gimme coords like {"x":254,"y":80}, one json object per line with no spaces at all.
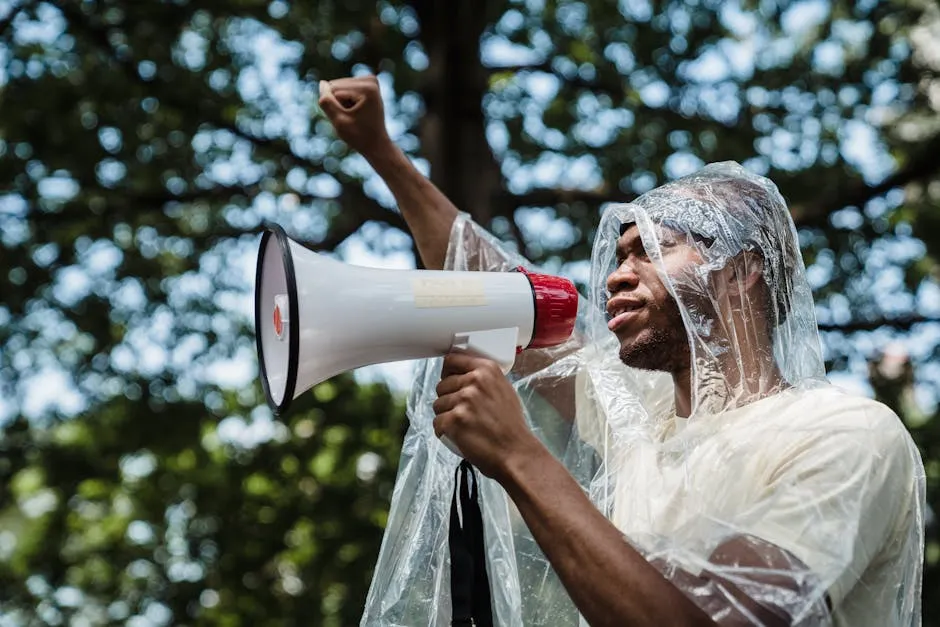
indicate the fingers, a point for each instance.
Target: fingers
{"x":339,"y":97}
{"x":456,"y":390}
{"x":464,"y":380}
{"x":441,"y":423}
{"x":347,"y":94}
{"x":354,"y":93}
{"x":458,"y":362}
{"x":453,"y":383}
{"x":450,"y":421}
{"x":463,"y":377}
{"x":362,"y":84}
{"x":328,"y":101}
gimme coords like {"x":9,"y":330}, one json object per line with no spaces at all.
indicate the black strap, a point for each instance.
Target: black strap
{"x":469,"y":583}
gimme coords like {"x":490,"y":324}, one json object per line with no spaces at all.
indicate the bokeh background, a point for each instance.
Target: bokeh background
{"x":142,"y":144}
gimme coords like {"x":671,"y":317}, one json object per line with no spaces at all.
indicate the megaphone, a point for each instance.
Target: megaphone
{"x":316,"y":317}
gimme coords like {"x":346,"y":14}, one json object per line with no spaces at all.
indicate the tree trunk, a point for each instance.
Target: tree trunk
{"x":453,"y":132}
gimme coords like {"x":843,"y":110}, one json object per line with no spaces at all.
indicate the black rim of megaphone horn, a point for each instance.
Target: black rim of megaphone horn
{"x":293,"y":337}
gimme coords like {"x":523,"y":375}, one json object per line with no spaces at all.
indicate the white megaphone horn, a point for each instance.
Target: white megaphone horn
{"x":316,"y":317}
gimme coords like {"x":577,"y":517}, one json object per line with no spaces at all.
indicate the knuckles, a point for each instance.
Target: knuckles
{"x":461,"y":416}
{"x":463,"y":392}
{"x":370,"y":83}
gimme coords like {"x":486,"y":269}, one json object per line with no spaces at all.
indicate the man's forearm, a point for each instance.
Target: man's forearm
{"x":609,"y":581}
{"x":428,"y":212}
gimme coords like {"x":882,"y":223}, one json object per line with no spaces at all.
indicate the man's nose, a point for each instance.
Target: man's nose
{"x":623,"y":277}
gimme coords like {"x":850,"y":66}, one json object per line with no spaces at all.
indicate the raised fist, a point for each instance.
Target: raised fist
{"x":354,"y":107}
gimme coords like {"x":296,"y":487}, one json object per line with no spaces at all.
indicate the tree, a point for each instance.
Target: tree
{"x":142,"y":145}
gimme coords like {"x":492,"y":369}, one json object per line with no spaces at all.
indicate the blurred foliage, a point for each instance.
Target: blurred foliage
{"x":142,"y":144}
{"x":127,"y":511}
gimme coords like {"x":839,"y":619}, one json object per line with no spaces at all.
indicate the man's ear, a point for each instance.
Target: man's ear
{"x":747,"y":270}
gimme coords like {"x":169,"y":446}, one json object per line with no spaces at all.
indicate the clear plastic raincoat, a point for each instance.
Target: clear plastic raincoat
{"x":823,"y":488}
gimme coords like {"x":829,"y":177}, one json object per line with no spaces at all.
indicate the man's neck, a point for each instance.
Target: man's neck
{"x":746,"y":380}
{"x":682,"y":382}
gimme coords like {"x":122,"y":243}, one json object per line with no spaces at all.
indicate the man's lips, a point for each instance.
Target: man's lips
{"x":620,"y":311}
{"x":622,"y":319}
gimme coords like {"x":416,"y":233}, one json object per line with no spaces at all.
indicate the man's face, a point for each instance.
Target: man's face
{"x":641,"y":312}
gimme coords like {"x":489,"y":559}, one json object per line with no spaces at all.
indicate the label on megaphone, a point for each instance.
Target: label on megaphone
{"x":442,"y":292}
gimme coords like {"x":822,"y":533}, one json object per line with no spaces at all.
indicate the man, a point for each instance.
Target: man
{"x":730,"y":484}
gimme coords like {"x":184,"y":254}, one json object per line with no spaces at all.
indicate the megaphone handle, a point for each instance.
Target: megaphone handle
{"x":496,"y":344}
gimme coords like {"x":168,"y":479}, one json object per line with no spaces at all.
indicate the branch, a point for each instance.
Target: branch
{"x":923,"y":163}
{"x":902,"y":323}
{"x":358,"y":209}
{"x":547,"y":197}
{"x":545,"y":66}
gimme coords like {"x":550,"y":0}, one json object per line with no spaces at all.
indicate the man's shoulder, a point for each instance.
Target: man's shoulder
{"x":816,"y":418}
{"x":829,"y":406}
{"x":842,"y":423}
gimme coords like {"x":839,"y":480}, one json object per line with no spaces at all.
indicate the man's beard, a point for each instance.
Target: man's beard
{"x":661,"y":346}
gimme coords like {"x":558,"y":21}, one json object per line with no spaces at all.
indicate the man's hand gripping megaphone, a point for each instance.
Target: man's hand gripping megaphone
{"x":478,"y":410}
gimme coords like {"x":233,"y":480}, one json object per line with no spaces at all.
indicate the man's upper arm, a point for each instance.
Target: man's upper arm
{"x":768,"y":582}
{"x":752,"y":582}
{"x":471,"y":247}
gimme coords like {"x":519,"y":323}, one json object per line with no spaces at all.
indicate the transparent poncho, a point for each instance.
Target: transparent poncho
{"x":825,"y":489}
